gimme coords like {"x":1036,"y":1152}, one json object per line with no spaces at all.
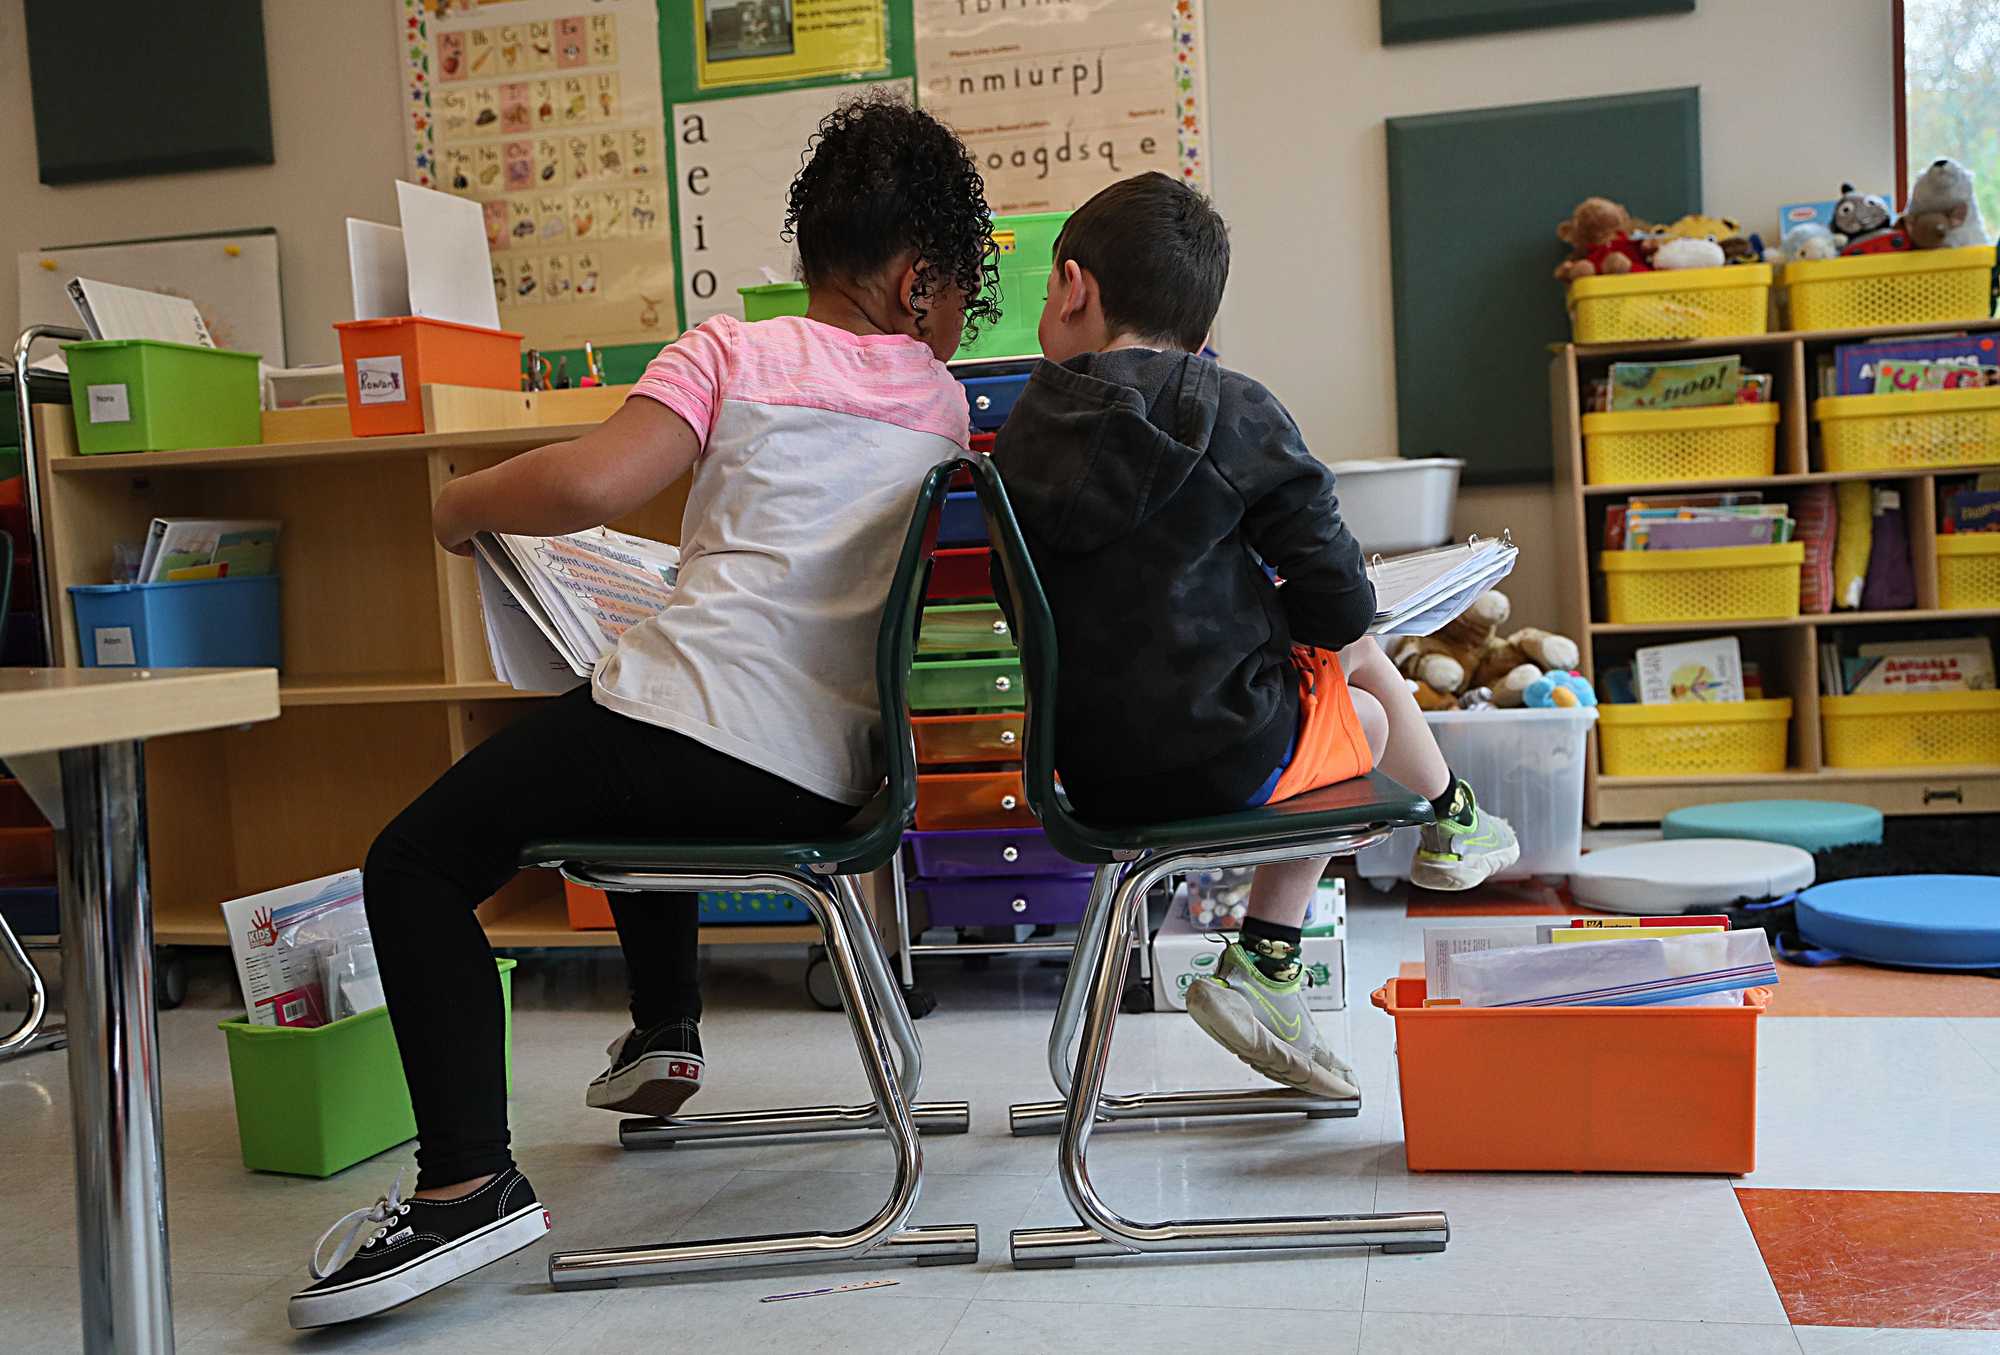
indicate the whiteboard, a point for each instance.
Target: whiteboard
{"x":231,"y":278}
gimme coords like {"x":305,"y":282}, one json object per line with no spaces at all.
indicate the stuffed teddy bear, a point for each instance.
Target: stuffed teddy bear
{"x":1942,"y":212}
{"x":1441,"y":663}
{"x":1602,"y":239}
{"x":1512,"y":665}
{"x":1809,"y":240}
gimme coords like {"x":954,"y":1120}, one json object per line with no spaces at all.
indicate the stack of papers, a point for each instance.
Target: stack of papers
{"x":109,"y":311}
{"x":1416,"y":594}
{"x":555,"y":605}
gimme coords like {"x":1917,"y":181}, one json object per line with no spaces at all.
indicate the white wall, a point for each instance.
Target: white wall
{"x":1796,"y":96}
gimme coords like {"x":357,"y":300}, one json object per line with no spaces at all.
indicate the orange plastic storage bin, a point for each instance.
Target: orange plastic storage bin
{"x":968,"y":738}
{"x":1583,"y":1089}
{"x":398,"y":356}
{"x":972,"y":800}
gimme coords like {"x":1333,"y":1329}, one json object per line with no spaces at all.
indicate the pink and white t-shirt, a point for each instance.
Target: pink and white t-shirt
{"x":814,"y":443}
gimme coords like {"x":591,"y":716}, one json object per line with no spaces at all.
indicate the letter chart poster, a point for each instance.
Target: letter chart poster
{"x":549,"y":114}
{"x":1058,"y":98}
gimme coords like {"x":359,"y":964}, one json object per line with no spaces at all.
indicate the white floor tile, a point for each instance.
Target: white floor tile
{"x":1469,"y":1334}
{"x":1874,"y":1103}
{"x":1983,"y":1033}
{"x":1042,"y":1328}
{"x":1659,"y":1248}
{"x":1887,"y":1341}
{"x":648,"y":1321}
{"x":466,"y":1318}
{"x":41,"y":1306}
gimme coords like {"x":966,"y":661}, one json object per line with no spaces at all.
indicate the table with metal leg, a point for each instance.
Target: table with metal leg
{"x":96,"y":720}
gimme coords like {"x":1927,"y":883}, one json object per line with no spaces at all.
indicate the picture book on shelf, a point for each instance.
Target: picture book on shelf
{"x":208,"y":548}
{"x":1687,"y":384}
{"x":1852,"y":368}
{"x":1949,"y":665}
{"x":1905,"y":376}
{"x":1694,"y":670}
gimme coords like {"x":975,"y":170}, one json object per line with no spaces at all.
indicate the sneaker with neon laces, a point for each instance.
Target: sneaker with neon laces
{"x":1465,"y":847}
{"x":1264,"y":1021}
{"x":652,"y":1071}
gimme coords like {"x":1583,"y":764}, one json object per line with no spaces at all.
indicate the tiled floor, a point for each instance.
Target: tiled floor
{"x":1872,"y":1222}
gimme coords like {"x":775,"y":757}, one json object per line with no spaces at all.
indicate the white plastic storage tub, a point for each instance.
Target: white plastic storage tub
{"x":1395,"y":505}
{"x":1527,"y":767}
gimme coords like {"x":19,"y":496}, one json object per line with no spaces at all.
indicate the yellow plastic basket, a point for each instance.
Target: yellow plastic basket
{"x":1729,"y":583}
{"x":1897,"y":432}
{"x":1643,"y":445}
{"x":1911,"y":729}
{"x":1689,"y":303}
{"x":1969,"y":571}
{"x":1694,"y":738}
{"x":1866,"y":290}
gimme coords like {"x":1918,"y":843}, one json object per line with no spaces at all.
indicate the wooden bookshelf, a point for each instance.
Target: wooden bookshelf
{"x":1785,"y":648}
{"x":386,"y":679}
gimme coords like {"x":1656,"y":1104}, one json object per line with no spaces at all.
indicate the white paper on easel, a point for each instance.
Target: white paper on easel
{"x":445,"y":256}
{"x":377,"y":269}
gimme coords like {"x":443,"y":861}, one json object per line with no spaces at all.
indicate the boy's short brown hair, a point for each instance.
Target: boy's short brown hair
{"x":1160,"y":253}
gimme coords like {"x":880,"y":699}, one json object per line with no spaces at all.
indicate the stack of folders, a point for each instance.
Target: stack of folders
{"x":1697,"y":522}
{"x":1693,"y":960}
{"x":1418,"y":593}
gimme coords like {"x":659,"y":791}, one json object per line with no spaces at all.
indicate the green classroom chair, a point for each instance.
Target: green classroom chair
{"x":823,"y":875}
{"x":1338,"y":820}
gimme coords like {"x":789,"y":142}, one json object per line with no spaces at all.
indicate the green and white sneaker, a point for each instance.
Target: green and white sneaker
{"x":1264,"y":1022}
{"x":1464,"y":848}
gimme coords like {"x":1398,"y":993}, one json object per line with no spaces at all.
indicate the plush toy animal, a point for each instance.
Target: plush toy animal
{"x":1861,"y":217}
{"x":1511,"y":665}
{"x":1559,"y":690}
{"x":1685,"y":252}
{"x":1942,"y":212}
{"x":1440,"y":664}
{"x":1602,"y":239}
{"x":1809,"y":240}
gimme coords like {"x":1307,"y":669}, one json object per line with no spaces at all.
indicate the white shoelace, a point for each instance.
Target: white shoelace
{"x":383,"y":1212}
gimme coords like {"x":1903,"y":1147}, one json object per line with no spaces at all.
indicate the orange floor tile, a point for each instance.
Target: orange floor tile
{"x":1855,"y":989}
{"x":1880,"y":1258}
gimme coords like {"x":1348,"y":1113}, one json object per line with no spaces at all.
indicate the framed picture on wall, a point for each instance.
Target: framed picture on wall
{"x":1422,"y":20}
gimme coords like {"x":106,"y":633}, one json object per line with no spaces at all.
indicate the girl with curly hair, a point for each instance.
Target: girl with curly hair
{"x":750,"y":699}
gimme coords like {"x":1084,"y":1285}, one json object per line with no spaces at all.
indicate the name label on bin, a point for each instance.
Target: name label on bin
{"x":110,"y":404}
{"x":114,"y":646}
{"x":379,"y":381}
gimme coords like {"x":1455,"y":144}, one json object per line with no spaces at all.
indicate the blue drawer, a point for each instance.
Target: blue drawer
{"x":960,"y":523}
{"x":1003,"y":851}
{"x":1030,"y":901}
{"x":991,"y":398}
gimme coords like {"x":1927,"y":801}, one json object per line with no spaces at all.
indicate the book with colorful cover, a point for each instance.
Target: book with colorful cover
{"x":1854,"y":364}
{"x":1694,"y":670}
{"x":1905,"y":376}
{"x":1960,"y":664}
{"x":1971,"y":510}
{"x":1690,"y":383}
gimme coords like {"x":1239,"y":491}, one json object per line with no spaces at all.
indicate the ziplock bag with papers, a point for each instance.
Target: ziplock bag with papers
{"x":1680,"y":970}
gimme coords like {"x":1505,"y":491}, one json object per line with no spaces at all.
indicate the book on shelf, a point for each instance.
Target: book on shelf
{"x":1690,"y":383}
{"x":1963,"y":663}
{"x":1852,"y":367}
{"x":1617,"y":515}
{"x":1698,"y":527}
{"x":1905,"y":376}
{"x":1973,"y":507}
{"x":1693,"y":670}
{"x":555,"y":605}
{"x":191,"y":548}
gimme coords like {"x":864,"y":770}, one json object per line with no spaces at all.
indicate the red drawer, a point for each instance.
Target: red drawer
{"x":961,"y":573}
{"x":968,"y":738}
{"x":1006,"y":902}
{"x":988,"y":851}
{"x":972,"y":800}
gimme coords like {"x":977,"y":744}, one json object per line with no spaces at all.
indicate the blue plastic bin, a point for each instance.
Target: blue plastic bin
{"x":960,"y":523}
{"x":193,"y":623}
{"x":990,"y":399}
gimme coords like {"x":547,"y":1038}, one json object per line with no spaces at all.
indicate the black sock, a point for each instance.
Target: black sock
{"x":1456,"y":802}
{"x":1275,"y":948}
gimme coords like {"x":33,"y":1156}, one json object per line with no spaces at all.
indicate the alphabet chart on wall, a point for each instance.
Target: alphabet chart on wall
{"x":548,"y":113}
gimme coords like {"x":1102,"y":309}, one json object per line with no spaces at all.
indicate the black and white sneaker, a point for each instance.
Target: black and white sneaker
{"x":413,"y":1246}
{"x":652,"y":1072}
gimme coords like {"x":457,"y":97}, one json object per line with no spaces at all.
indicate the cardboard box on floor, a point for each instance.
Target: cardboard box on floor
{"x":1181,"y":953}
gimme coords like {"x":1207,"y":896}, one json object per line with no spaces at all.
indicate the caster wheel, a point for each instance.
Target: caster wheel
{"x":170,"y":979}
{"x":920,"y":1001}
{"x":1138,"y":998}
{"x":1383,"y":884}
{"x":821,"y":989}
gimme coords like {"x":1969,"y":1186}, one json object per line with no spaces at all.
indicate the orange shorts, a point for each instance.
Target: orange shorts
{"x":1331,"y":745}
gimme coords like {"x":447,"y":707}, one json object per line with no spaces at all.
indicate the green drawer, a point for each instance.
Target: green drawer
{"x":975,"y":628}
{"x":966,"y":684}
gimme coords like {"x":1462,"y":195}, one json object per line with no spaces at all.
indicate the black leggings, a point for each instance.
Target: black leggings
{"x":569,"y":769}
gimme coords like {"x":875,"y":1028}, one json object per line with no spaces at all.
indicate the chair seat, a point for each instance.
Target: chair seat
{"x":1365,"y":801}
{"x":867,"y":841}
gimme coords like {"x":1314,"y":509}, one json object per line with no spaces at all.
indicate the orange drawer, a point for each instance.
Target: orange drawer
{"x":968,"y":738}
{"x":972,"y":800}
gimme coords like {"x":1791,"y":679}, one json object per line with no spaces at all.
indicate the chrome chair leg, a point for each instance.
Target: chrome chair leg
{"x":1104,"y":1232}
{"x":28,"y":1037}
{"x":885,"y":1233}
{"x":1046,"y":1117}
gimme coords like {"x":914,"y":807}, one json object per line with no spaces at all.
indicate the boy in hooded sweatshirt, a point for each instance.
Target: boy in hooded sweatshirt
{"x":1159,"y":492}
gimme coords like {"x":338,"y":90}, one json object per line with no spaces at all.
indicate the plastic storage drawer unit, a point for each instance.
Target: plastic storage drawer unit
{"x":968,"y":738}
{"x":961,"y":573}
{"x":972,"y":800}
{"x":965,"y":628}
{"x":966,"y":684}
{"x":1026,"y":901}
{"x":988,"y":851}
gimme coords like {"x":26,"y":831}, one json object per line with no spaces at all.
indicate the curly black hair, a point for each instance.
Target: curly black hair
{"x":880,"y":177}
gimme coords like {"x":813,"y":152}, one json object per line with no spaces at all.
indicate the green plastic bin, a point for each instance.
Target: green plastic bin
{"x":312,"y":1101}
{"x":966,"y":684}
{"x":142,"y":395}
{"x":1027,"y":245}
{"x":769,"y":300}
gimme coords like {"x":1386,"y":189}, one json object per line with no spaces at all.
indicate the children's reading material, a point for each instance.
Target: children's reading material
{"x":1686,"y":384}
{"x":109,"y":311}
{"x":1415,"y":594}
{"x":1696,"y":670}
{"x":187,"y":548}
{"x":555,"y":605}
{"x":1953,"y":665}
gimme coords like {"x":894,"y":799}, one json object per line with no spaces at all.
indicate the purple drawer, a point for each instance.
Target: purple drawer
{"x":1037,"y":900}
{"x":989,"y":851}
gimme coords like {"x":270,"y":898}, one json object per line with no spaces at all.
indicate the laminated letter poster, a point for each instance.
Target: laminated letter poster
{"x":548,"y":113}
{"x":1058,"y":98}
